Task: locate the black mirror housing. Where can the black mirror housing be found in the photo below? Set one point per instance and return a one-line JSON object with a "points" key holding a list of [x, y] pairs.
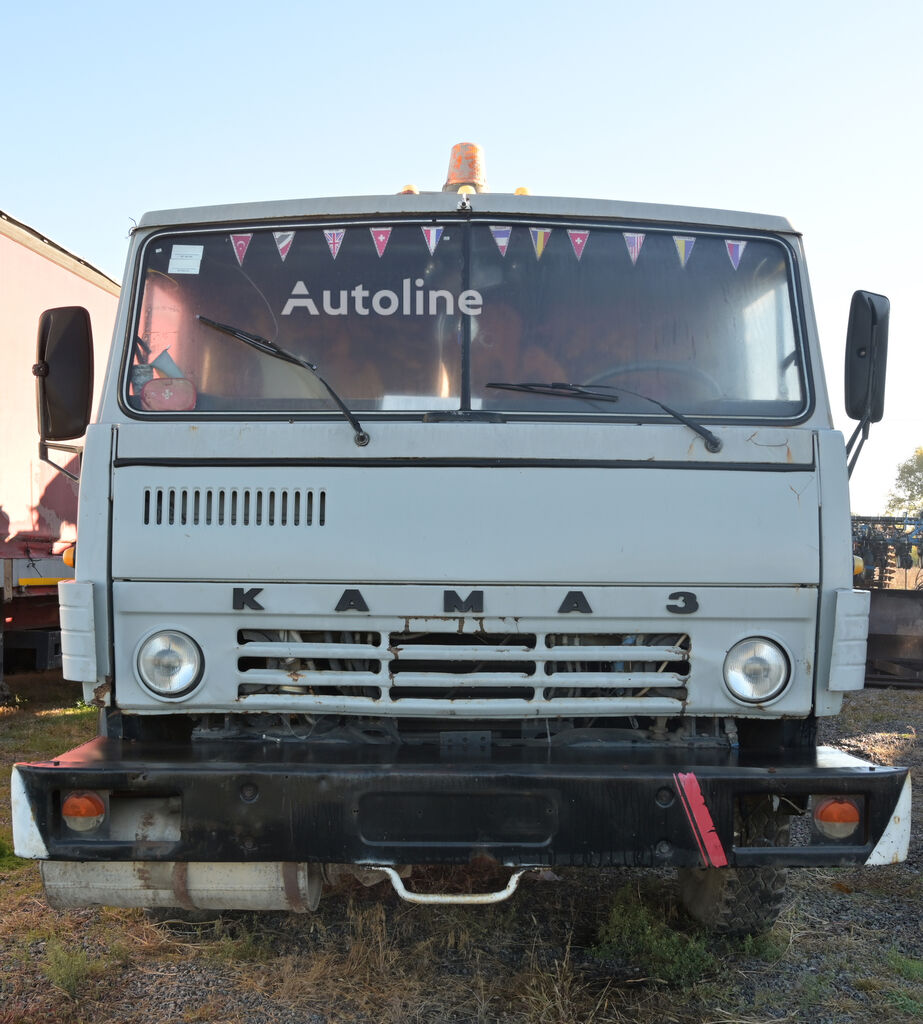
{"points": [[64, 373], [867, 356]]}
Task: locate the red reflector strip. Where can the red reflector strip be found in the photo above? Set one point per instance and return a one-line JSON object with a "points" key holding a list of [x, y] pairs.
{"points": [[700, 820]]}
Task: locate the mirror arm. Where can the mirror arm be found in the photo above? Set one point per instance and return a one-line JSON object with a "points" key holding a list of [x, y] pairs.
{"points": [[863, 427], [43, 447]]}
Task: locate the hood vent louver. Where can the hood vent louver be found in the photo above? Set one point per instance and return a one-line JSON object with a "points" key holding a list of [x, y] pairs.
{"points": [[234, 506]]}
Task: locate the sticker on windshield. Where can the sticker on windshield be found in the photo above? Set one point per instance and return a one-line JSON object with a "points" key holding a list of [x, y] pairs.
{"points": [[501, 233], [380, 237], [432, 235], [540, 238], [185, 259], [735, 251], [578, 241], [284, 241], [634, 243], [684, 246], [335, 240]]}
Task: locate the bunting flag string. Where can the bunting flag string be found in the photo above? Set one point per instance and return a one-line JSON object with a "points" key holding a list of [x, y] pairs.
{"points": [[634, 243], [432, 233], [335, 238], [735, 251], [578, 240], [380, 237], [540, 238], [240, 243], [284, 241], [501, 233], [684, 246]]}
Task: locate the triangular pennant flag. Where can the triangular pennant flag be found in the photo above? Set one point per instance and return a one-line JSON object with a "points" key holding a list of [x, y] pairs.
{"points": [[578, 241], [380, 237], [634, 243], [432, 234], [240, 243], [735, 251], [501, 233], [284, 241], [540, 238], [684, 246], [335, 240]]}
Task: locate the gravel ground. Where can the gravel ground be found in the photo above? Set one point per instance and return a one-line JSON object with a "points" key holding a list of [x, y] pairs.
{"points": [[848, 947]]}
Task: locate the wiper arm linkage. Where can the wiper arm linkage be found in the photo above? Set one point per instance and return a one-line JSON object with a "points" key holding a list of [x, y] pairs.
{"points": [[272, 349], [589, 392]]}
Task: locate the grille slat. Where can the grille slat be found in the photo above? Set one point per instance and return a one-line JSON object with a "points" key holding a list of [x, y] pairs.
{"points": [[461, 670]]}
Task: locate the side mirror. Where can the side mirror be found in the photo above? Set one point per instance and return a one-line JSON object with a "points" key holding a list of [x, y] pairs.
{"points": [[866, 356], [64, 373]]}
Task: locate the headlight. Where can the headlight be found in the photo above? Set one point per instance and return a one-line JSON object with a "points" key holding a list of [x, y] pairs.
{"points": [[756, 670], [170, 663]]}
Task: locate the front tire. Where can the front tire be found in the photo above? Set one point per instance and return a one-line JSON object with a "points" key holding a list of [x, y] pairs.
{"points": [[740, 901]]}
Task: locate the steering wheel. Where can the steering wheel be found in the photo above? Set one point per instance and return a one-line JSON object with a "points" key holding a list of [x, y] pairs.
{"points": [[671, 366]]}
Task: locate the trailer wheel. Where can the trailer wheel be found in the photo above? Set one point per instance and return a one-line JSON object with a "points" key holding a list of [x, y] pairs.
{"points": [[739, 901]]}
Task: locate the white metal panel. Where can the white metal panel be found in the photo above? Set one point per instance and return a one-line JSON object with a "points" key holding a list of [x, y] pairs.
{"points": [[193, 885], [850, 636], [894, 844], [455, 524], [205, 611], [78, 636], [27, 839]]}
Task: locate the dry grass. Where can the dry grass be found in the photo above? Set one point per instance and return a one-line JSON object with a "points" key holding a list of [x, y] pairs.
{"points": [[846, 950]]}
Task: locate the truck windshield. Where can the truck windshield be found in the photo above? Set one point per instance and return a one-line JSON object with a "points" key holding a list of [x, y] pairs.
{"points": [[418, 317]]}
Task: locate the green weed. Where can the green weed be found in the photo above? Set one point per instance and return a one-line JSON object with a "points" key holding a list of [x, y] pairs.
{"points": [[8, 860], [905, 967], [906, 1004], [68, 968], [641, 935]]}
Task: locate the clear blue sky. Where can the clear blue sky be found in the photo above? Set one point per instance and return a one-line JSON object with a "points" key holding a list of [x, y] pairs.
{"points": [[807, 109]]}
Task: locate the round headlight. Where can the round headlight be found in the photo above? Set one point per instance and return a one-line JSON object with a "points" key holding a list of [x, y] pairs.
{"points": [[170, 663], [756, 670]]}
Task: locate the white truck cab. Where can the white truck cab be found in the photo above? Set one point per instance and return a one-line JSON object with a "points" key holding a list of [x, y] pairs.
{"points": [[422, 527]]}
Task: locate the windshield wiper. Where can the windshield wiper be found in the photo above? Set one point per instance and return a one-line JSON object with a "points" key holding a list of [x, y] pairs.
{"points": [[271, 348], [596, 393]]}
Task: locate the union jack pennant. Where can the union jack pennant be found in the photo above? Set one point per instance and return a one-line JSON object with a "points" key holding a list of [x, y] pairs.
{"points": [[240, 243], [501, 233], [683, 248], [380, 237], [578, 241], [432, 234], [735, 251], [284, 241], [334, 240], [540, 238], [634, 243]]}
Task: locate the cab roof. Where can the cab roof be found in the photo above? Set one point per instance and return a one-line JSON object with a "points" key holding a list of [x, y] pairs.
{"points": [[496, 204]]}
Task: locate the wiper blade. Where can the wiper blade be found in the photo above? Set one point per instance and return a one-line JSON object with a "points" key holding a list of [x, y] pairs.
{"points": [[557, 388], [596, 392], [272, 349]]}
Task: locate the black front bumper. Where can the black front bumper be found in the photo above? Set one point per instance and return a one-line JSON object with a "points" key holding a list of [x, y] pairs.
{"points": [[525, 807]]}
